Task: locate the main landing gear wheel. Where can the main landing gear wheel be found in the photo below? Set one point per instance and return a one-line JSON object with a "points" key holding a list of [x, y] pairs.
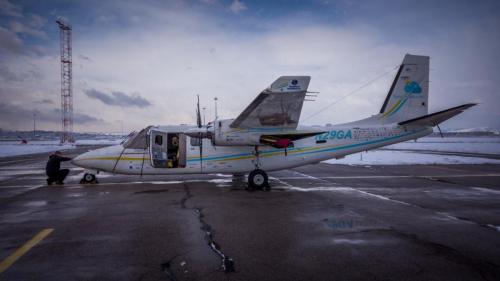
{"points": [[257, 179], [88, 178]]}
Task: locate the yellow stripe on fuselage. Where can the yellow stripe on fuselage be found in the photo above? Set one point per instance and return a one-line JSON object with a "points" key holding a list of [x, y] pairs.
{"points": [[263, 154], [114, 158], [393, 107]]}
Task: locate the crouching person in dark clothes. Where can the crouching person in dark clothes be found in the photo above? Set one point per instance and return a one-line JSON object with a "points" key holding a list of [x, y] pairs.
{"points": [[53, 168]]}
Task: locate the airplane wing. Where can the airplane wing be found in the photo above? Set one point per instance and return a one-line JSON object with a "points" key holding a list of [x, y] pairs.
{"points": [[285, 138], [435, 119], [278, 106]]}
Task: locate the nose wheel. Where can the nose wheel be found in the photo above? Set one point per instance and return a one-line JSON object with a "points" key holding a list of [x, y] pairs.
{"points": [[88, 178], [257, 179]]}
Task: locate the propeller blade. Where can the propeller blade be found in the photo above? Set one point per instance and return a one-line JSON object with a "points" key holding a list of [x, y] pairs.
{"points": [[201, 152], [198, 113]]}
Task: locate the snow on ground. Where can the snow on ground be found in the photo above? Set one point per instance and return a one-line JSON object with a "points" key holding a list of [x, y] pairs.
{"points": [[11, 149], [385, 157], [488, 145], [98, 142]]}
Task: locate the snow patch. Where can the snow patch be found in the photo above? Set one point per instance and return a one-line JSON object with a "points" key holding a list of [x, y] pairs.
{"points": [[165, 182], [488, 190], [342, 189], [384, 157], [10, 149], [453, 144], [497, 228], [349, 241]]}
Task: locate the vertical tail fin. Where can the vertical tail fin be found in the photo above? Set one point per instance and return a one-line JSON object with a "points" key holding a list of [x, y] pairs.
{"points": [[409, 92]]}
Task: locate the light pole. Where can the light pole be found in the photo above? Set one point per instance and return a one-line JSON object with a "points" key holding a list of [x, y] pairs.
{"points": [[215, 100], [204, 116]]}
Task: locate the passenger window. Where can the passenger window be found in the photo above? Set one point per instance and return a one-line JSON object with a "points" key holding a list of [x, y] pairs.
{"points": [[158, 140]]}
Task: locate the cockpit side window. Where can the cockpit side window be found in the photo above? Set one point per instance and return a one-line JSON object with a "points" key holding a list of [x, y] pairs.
{"points": [[138, 141]]}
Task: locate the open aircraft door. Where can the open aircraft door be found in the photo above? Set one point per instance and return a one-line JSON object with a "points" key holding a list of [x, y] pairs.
{"points": [[167, 150], [158, 149]]}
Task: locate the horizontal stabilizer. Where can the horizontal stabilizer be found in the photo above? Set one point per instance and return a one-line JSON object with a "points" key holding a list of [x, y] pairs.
{"points": [[435, 119]]}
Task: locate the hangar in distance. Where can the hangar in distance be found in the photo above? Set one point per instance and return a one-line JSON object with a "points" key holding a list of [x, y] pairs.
{"points": [[266, 136]]}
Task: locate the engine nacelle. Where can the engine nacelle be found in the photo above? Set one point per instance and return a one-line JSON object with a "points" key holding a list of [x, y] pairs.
{"points": [[226, 136]]}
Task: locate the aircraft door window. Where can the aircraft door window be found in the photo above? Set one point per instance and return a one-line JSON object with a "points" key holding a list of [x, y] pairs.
{"points": [[158, 150], [158, 139]]}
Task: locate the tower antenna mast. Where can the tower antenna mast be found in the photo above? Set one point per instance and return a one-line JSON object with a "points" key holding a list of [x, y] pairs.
{"points": [[66, 81]]}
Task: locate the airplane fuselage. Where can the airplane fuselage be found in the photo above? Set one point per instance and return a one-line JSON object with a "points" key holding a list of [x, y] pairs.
{"points": [[336, 142]]}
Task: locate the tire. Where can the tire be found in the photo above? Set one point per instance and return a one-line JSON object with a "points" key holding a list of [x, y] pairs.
{"points": [[88, 178], [258, 179]]}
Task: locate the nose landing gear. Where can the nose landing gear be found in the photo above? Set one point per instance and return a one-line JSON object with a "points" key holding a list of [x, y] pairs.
{"points": [[88, 178], [257, 179]]}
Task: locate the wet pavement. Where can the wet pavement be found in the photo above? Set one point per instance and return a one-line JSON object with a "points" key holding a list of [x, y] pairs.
{"points": [[319, 222]]}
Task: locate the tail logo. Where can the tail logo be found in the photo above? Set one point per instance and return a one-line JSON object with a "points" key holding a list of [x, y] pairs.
{"points": [[294, 85], [413, 87]]}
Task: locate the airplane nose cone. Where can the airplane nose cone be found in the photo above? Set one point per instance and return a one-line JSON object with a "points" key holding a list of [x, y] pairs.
{"points": [[78, 161], [102, 159]]}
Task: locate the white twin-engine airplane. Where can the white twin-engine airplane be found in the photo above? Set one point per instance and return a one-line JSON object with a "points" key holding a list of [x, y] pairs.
{"points": [[266, 135]]}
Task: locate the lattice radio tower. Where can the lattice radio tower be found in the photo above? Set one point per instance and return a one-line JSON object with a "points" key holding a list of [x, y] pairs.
{"points": [[66, 82]]}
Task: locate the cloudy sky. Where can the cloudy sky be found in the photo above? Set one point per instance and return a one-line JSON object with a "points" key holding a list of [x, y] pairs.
{"points": [[143, 62]]}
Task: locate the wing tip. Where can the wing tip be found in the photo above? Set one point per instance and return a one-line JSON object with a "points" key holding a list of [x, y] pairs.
{"points": [[467, 105]]}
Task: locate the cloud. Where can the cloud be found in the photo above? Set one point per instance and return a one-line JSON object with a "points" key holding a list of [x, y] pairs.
{"points": [[118, 98], [82, 118], [237, 6], [37, 21], [45, 101], [83, 57], [9, 41], [10, 9], [209, 2], [184, 48], [19, 27], [16, 117], [8, 76]]}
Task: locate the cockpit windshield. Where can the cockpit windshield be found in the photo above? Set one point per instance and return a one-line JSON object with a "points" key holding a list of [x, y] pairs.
{"points": [[138, 140]]}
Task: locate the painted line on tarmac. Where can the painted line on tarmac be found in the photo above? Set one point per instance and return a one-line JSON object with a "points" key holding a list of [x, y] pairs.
{"points": [[29, 187], [335, 188], [310, 177], [393, 176], [6, 263]]}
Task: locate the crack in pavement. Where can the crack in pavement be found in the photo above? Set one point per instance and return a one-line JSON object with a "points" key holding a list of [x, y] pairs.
{"points": [[166, 267], [227, 262], [151, 191]]}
